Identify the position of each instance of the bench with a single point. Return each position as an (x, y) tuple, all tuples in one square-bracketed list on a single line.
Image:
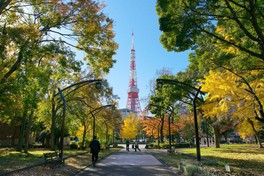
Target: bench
[(52, 157), (172, 150), (149, 146)]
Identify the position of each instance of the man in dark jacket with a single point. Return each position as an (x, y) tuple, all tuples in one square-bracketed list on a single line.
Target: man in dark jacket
[(136, 146), (127, 145), (94, 149)]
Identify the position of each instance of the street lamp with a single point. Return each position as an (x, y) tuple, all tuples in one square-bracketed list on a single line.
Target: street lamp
[(60, 92), (105, 121), (169, 122), (98, 110), (160, 83)]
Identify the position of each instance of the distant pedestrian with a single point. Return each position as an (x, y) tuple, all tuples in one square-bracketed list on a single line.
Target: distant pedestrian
[(136, 146), (127, 145), (94, 149), (191, 143)]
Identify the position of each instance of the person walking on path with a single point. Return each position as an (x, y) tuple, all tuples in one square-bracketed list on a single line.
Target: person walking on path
[(136, 146), (94, 149), (127, 145)]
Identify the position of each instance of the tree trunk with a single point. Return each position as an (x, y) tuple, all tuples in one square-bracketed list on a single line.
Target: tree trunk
[(256, 140), (106, 133), (207, 136), (22, 130), (13, 136), (158, 136), (216, 136), (14, 132), (207, 139), (29, 131), (53, 121), (84, 134), (161, 130), (113, 135), (256, 133)]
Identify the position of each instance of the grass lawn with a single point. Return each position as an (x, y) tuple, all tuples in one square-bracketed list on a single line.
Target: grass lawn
[(242, 158), (12, 160)]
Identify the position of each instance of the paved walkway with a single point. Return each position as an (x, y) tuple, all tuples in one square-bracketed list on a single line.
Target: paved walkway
[(130, 163)]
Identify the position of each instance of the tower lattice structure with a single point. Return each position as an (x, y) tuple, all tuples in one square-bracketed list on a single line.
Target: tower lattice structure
[(133, 103)]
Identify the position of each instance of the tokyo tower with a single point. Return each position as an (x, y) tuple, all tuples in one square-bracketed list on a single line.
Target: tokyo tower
[(133, 103)]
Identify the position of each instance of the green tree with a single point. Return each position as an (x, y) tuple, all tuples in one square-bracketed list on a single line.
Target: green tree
[(233, 24), (41, 35), (106, 123), (187, 129), (226, 36), (81, 22)]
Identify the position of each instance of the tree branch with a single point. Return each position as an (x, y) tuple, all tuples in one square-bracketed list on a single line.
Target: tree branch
[(256, 27), (4, 4), (249, 90), (261, 56), (15, 66), (239, 22)]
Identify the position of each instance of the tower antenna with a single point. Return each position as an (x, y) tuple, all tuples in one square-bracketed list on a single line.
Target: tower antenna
[(133, 103)]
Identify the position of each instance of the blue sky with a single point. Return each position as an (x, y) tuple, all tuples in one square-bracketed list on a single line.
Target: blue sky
[(139, 16)]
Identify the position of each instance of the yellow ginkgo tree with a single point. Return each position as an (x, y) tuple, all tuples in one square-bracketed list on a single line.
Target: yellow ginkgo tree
[(130, 128), (231, 95)]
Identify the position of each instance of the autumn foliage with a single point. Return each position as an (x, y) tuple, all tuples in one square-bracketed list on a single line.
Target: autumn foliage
[(228, 93), (131, 126), (152, 126)]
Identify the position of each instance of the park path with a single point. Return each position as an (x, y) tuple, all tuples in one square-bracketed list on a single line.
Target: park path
[(123, 163)]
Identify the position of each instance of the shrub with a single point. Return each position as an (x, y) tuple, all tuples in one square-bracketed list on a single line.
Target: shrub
[(73, 145), (155, 146), (178, 145), (192, 169), (182, 145)]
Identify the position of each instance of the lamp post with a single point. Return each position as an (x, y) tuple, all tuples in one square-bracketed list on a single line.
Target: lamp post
[(175, 82), (107, 128), (169, 124), (154, 126), (169, 134), (98, 110), (60, 92), (196, 126)]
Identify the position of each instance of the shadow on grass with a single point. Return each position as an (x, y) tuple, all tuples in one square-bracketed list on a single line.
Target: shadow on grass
[(245, 165), (241, 149), (32, 164), (15, 161), (244, 157)]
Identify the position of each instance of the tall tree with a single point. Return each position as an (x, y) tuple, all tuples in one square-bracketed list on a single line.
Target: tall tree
[(236, 24), (248, 128), (187, 129), (44, 34), (80, 24), (130, 128), (231, 96), (106, 123), (151, 126)]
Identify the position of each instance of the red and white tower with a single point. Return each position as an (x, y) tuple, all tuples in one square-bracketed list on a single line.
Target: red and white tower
[(133, 103)]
